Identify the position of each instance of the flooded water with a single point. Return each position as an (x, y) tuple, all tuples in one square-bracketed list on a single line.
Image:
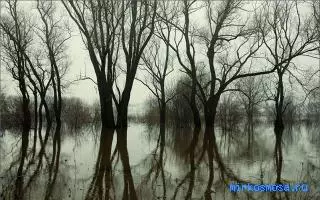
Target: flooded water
[(146, 162)]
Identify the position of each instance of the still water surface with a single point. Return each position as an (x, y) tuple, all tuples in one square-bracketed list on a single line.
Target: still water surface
[(144, 162)]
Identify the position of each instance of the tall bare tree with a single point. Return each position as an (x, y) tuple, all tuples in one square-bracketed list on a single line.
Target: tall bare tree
[(99, 24), (286, 35), (54, 36), (158, 63), (183, 32), (226, 67), (17, 38), (34, 69), (251, 95), (137, 28), (158, 72), (221, 37)]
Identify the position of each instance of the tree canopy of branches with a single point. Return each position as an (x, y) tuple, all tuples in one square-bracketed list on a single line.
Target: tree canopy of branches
[(286, 35), (99, 23)]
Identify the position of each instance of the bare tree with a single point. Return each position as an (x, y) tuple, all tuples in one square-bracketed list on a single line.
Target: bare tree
[(99, 24), (53, 35), (137, 28), (224, 67), (16, 30), (220, 39), (17, 38), (286, 35), (182, 32), (34, 71), (251, 95), (158, 72), (158, 67)]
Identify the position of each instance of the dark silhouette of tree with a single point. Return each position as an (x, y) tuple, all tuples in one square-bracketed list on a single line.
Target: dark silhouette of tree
[(158, 72), (33, 69), (286, 35), (54, 36), (99, 24), (16, 30), (186, 31), (137, 28), (226, 67), (224, 64), (251, 95)]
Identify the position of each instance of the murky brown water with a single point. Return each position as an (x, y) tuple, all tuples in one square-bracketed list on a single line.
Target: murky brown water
[(144, 163)]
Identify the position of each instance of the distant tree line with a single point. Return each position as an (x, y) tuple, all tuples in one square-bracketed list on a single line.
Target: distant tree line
[(75, 112)]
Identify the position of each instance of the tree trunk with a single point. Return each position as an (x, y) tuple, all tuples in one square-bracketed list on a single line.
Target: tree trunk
[(122, 118), (105, 95), (162, 113), (278, 124), (195, 111), (25, 138), (40, 122), (210, 111), (26, 112)]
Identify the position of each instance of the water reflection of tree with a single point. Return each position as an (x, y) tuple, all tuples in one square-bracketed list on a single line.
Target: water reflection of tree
[(193, 163), (308, 174), (200, 160), (156, 161), (101, 184), (104, 183), (27, 173), (129, 191), (213, 156)]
